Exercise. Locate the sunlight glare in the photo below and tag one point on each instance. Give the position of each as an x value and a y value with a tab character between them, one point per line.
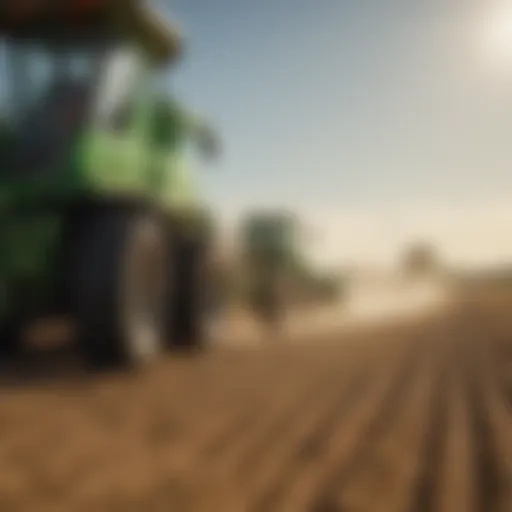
497	37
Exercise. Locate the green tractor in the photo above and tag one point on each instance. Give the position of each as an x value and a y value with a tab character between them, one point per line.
281	276
99	216
269	240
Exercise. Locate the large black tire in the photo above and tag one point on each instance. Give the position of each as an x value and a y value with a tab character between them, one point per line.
188	312
117	279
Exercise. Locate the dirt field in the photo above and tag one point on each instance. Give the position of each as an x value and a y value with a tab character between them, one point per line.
412	418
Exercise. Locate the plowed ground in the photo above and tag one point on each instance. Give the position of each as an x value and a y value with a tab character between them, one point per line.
412	417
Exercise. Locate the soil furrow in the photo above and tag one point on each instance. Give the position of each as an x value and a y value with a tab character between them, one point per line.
387	470
493	433
349	388
285	388
314	485
285	406
296	441
377	426
458	477
423	493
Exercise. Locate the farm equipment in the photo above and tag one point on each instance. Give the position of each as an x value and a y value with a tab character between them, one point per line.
280	277
100	220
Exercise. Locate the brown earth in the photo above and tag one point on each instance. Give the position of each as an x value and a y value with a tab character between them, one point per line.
412	417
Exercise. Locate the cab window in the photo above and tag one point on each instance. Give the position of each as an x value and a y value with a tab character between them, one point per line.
115	107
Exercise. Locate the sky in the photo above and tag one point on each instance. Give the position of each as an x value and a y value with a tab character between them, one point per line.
377	120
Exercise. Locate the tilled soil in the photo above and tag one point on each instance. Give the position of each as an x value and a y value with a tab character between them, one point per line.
412	417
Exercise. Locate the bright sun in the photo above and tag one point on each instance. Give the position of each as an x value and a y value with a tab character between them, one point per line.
497	37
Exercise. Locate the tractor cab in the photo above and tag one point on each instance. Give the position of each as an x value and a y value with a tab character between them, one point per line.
49	89
64	66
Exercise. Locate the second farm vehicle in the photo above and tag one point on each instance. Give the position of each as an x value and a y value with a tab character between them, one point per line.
99	217
281	277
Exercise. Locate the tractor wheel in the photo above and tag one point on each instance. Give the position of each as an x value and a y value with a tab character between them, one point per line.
188	303
118	277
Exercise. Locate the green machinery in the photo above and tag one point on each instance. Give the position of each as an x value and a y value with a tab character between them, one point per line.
100	219
268	246
276	263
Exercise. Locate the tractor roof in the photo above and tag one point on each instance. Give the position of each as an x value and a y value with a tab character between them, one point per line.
130	19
